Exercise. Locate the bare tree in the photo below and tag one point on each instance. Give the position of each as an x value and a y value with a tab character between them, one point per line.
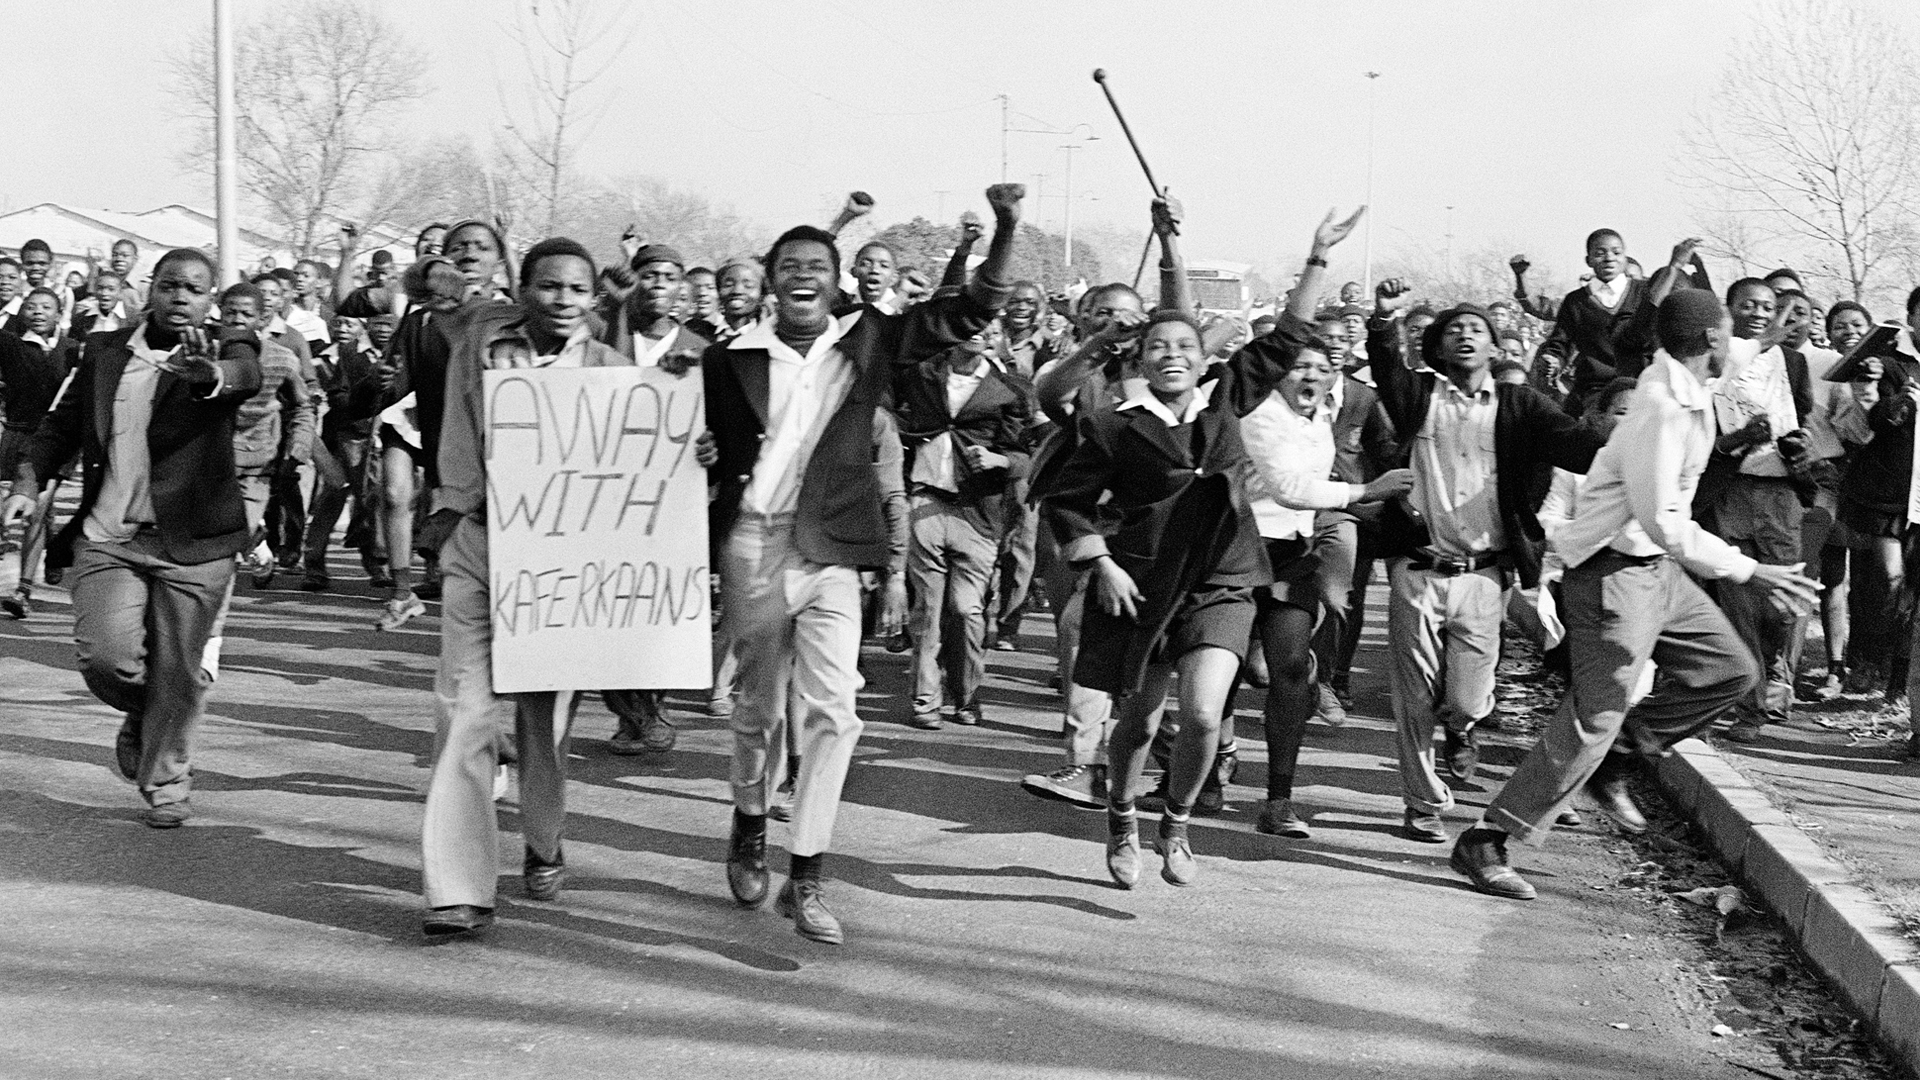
1814	131
567	46
319	86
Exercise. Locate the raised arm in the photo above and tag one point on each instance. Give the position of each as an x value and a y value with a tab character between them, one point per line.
994	280
1176	289
343	273
970	232
858	205
1301	301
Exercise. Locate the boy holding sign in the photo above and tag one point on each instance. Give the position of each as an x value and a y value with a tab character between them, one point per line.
548	328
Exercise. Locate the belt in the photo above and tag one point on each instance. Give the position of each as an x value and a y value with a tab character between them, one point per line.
1454	565
1624	559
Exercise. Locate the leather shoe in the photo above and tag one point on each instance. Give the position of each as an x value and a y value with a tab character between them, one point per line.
925	721
126	747
1462	754
543	878
1277	818
967	715
1608	788
1422	826
446	922
1177	865
806	904
167	815
747	867
1123	852
1569	819
1481	854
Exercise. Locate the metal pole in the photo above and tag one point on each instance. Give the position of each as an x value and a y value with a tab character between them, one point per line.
226	195
1067	256
1366	274
1005	104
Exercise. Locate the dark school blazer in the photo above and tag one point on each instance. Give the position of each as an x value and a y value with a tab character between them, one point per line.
998	417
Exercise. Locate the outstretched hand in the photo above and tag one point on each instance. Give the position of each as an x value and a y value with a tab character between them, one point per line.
1684	253
1005	200
193	361
1331	232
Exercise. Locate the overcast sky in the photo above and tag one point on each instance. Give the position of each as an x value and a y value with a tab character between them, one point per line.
1536	122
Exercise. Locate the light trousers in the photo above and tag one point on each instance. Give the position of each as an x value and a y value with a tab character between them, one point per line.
1443	636
1621	615
459	838
140	627
950	562
796	632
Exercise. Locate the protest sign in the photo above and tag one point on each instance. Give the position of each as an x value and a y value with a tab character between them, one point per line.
596	529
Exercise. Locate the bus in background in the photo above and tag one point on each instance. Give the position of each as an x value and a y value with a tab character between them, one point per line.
1220	288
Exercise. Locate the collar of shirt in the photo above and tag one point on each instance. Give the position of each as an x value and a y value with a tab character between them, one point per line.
1143	398
1608	292
1688	392
761	335
45	344
511	347
648	351
275	327
137	344
1337	393
12	307
1482	391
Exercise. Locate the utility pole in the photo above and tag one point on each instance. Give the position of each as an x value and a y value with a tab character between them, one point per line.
1006	104
1066	256
226	184
1366	274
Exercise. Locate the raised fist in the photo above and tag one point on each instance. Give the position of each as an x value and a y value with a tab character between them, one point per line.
1519	264
859	204
1005	200
1391	295
970	227
1167	215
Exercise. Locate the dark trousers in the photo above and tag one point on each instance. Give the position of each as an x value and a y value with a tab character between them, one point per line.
140	625
340	474
1346	550
1620	614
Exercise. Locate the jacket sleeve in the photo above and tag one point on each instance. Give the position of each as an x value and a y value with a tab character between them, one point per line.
239	364
934	326
1073	506
463	472
890	469
1563	441
1378	442
1559	343
1262	363
57	439
300	411
1393	380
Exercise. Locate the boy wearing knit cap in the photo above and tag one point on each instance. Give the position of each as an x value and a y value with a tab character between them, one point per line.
1475	445
1628	600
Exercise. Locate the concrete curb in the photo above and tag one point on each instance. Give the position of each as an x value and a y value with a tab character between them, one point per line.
1848	936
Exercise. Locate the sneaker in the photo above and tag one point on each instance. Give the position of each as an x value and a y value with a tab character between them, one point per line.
1831	686
806	904
1176	853
1277	818
1123	850
1083	785
1329	709
1481	855
1569	819
400	611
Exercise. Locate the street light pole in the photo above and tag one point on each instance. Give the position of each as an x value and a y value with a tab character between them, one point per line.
1366	274
1067	255
226	185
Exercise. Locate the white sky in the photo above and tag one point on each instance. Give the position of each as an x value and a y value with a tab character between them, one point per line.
1537	121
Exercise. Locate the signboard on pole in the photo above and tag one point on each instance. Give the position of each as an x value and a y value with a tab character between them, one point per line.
596	529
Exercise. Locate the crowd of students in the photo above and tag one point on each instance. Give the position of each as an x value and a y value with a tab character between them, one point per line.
1200	506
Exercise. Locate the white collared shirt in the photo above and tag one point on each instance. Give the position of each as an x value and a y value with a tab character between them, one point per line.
1638	498
933	463
803	393
1143	398
1455	480
12	307
125	501
46	344
648	352
1292	458
308	324
1609	293
1754	384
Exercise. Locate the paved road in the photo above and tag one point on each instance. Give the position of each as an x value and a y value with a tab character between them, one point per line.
277	935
